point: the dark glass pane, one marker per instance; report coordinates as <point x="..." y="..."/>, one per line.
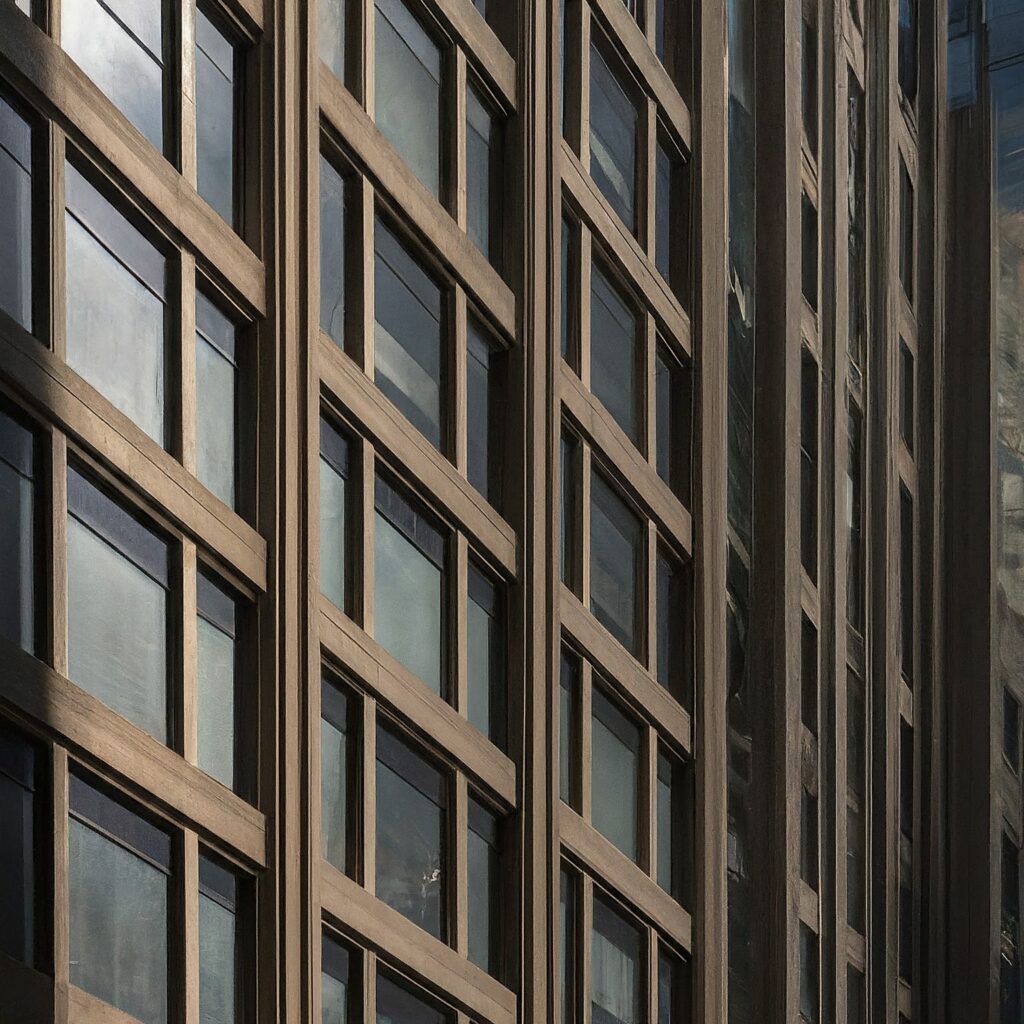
<point x="1011" y="731"/>
<point x="857" y="239"/>
<point x="216" y="103"/>
<point x="906" y="912"/>
<point x="120" y="44"/>
<point x="1009" y="934"/>
<point x="331" y="33"/>
<point x="409" y="587"/>
<point x="616" y="565"/>
<point x="216" y="657"/>
<point x="332" y="251"/>
<point x="407" y="90"/>
<point x="809" y="996"/>
<point x="411" y="829"/>
<point x="407" y="335"/>
<point x="906" y="780"/>
<point x="613" y="354"/>
<point x="485" y="668"/>
<point x="856" y="869"/>
<point x="616" y="968"/>
<point x="396" y="1004"/>
<point x="906" y="49"/>
<point x="906" y="239"/>
<point x="483" y="176"/>
<point x="20" y="769"/>
<point x="219" y="945"/>
<point x="615" y="775"/>
<point x="673" y="416"/>
<point x="906" y="587"/>
<point x="335" y="542"/>
<point x="809" y="838"/>
<point x="16" y="215"/>
<point x="216" y="400"/>
<point x="18" y="466"/>
<point x="567" y="890"/>
<point x="483" y="869"/>
<point x="808" y="251"/>
<point x="671" y="833"/>
<point x="809" y="675"/>
<point x="613" y="139"/>
<point x="854" y="517"/>
<point x="569" y="549"/>
<point x="856" y="997"/>
<point x="118" y="905"/>
<point x="568" y="725"/>
<point x="117" y="608"/>
<point x="663" y="213"/>
<point x="334" y="982"/>
<point x="484" y="414"/>
<point x="675" y="628"/>
<point x="337" y="776"/>
<point x="906" y="395"/>
<point x="809" y="464"/>
<point x="856" y="735"/>
<point x="116" y="316"/>
<point x="809" y="82"/>
<point x="673" y="989"/>
<point x="570" y="298"/>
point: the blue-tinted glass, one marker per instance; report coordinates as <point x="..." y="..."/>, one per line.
<point x="215" y="117"/>
<point x="15" y="215"/>
<point x="613" y="139"/>
<point x="331" y="32"/>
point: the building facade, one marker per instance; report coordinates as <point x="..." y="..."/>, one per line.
<point x="510" y="511"/>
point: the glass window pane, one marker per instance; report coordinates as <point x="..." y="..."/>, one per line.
<point x="411" y="830"/>
<point x="672" y="825"/>
<point x="216" y="680"/>
<point x="672" y="422"/>
<point x="396" y="1004"/>
<point x="613" y="354"/>
<point x="216" y="400"/>
<point x="334" y="982"/>
<point x="809" y="838"/>
<point x="485" y="638"/>
<point x="483" y="176"/>
<point x="906" y="636"/>
<point x="570" y="296"/>
<point x="671" y="228"/>
<point x="856" y="245"/>
<point x="407" y="335"/>
<point x="855" y="566"/>
<point x="408" y="90"/>
<point x="675" y="628"/>
<point x="568" y="725"/>
<point x="856" y="997"/>
<point x="809" y="464"/>
<point x="334" y="516"/>
<point x="906" y="395"/>
<point x="116" y="315"/>
<point x="673" y="989"/>
<point x="18" y="462"/>
<point x="118" y="903"/>
<point x="20" y="767"/>
<point x="567" y="932"/>
<point x="906" y="240"/>
<point x="809" y="82"/>
<point x="119" y="44"/>
<point x="906" y="49"/>
<point x="616" y="968"/>
<point x="16" y="215"/>
<point x="615" y="564"/>
<point x="809" y="675"/>
<point x="332" y="250"/>
<point x="216" y="103"/>
<point x="856" y="868"/>
<point x="569" y="549"/>
<point x="808" y="975"/>
<point x="331" y="32"/>
<point x="218" y="945"/>
<point x="484" y="414"/>
<point x="336" y="777"/>
<point x="117" y="607"/>
<point x="613" y="139"/>
<point x="615" y="779"/>
<point x="484" y="887"/>
<point x="808" y="251"/>
<point x="409" y="586"/>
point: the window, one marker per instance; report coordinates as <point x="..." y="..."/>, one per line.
<point x="122" y="46"/>
<point x="809" y="838"/>
<point x="570" y="291"/>
<point x="396" y="1004"/>
<point x="613" y="139"/>
<point x="337" y="774"/>
<point x="616" y="565"/>
<point x="857" y="237"/>
<point x="120" y="873"/>
<point x="613" y="354"/>
<point x="615" y="778"/>
<point x="485" y="637"/>
<point x="856" y="869"/>
<point x="673" y="989"/>
<point x="906" y="646"/>
<point x="485" y="413"/>
<point x="222" y="970"/>
<point x="854" y="518"/>
<point x="407" y="335"/>
<point x="19" y="543"/>
<point x="906" y="854"/>
<point x="671" y="230"/>
<point x="20" y="780"/>
<point x="809" y="464"/>
<point x="571" y="500"/>
<point x="1011" y="731"/>
<point x="217" y="680"/>
<point x="332" y="250"/>
<point x="17" y="256"/>
<point x="483" y="175"/>
<point x="407" y="92"/>
<point x="809" y="75"/>
<point x="856" y="997"/>
<point x="906" y="239"/>
<point x="673" y="21"/>
<point x="567" y="900"/>
<point x="335" y="515"/>
<point x="484" y="889"/>
<point x="334" y="982"/>
<point x="809" y="675"/>
<point x="616" y="968"/>
<point x="412" y="812"/>
<point x="116" y="306"/>
<point x="672" y="401"/>
<point x="906" y="396"/>
<point x="673" y="825"/>
<point x="216" y="401"/>
<point x="808" y="251"/>
<point x="809" y="991"/>
<point x="117" y="607"/>
<point x="218" y="67"/>
<point x="410" y="585"/>
<point x="331" y="33"/>
<point x="675" y="627"/>
<point x="906" y="49"/>
<point x="568" y="725"/>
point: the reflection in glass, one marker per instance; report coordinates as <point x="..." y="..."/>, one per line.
<point x="119" y="872"/>
<point x="216" y="103"/>
<point x="336" y="778"/>
<point x="120" y="44"/>
<point x="407" y="335"/>
<point x="483" y="176"/>
<point x="613" y="354"/>
<point x="116" y="294"/>
<point x="484" y="413"/>
<point x="485" y="655"/>
<point x="396" y="1004"/>
<point x="483" y="868"/>
<point x="616" y="967"/>
<point x="216" y="400"/>
<point x="409" y="582"/>
<point x="613" y="139"/>
<point x="334" y="982"/>
<point x="218" y="944"/>
<point x="616" y="562"/>
<point x="615" y="775"/>
<point x="412" y="803"/>
<point x="332" y="251"/>
<point x="18" y="463"/>
<point x="117" y="607"/>
<point x="330" y="34"/>
<point x="216" y="677"/>
<point x="15" y="215"/>
<point x="334" y="517"/>
<point x="20" y="779"/>
<point x="407" y="91"/>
